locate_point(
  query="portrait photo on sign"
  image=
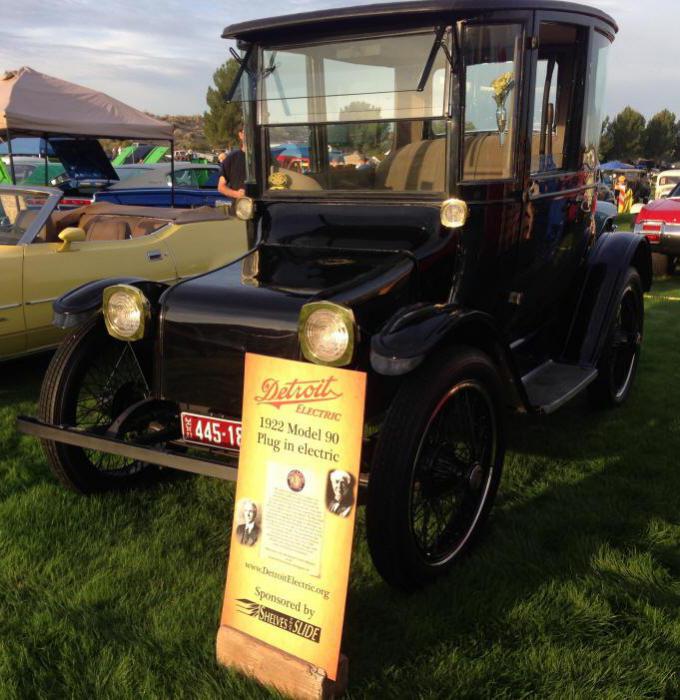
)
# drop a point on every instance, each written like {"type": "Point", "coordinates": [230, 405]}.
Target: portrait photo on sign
{"type": "Point", "coordinates": [248, 522]}
{"type": "Point", "coordinates": [340, 493]}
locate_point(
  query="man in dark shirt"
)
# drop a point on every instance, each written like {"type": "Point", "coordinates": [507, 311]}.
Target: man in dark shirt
{"type": "Point", "coordinates": [233, 171]}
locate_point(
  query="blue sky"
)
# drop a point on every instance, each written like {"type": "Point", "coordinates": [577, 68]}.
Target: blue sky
{"type": "Point", "coordinates": [160, 56]}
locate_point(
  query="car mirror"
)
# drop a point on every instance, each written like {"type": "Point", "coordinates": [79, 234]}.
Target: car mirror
{"type": "Point", "coordinates": [69, 235]}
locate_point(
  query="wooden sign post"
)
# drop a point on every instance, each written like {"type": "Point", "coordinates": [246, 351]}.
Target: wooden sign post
{"type": "Point", "coordinates": [291, 542]}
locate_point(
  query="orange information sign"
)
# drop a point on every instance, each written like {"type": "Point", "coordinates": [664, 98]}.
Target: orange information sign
{"type": "Point", "coordinates": [296, 499]}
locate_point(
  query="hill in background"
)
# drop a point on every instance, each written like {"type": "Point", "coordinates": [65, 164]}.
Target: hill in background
{"type": "Point", "coordinates": [188, 131]}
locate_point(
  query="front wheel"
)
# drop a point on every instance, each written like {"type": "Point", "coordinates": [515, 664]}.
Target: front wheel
{"type": "Point", "coordinates": [90, 382]}
{"type": "Point", "coordinates": [436, 469]}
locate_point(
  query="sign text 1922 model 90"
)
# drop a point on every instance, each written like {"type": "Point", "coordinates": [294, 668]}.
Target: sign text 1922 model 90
{"type": "Point", "coordinates": [453, 253]}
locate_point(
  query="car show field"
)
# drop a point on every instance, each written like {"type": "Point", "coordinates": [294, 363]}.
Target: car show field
{"type": "Point", "coordinates": [573, 591]}
{"type": "Point", "coordinates": [362, 384]}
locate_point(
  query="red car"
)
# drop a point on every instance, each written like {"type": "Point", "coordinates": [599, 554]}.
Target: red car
{"type": "Point", "coordinates": [659, 223]}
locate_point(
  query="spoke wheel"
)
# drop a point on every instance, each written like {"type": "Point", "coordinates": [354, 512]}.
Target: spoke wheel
{"type": "Point", "coordinates": [436, 468]}
{"type": "Point", "coordinates": [90, 382]}
{"type": "Point", "coordinates": [453, 471]}
{"type": "Point", "coordinates": [621, 356]}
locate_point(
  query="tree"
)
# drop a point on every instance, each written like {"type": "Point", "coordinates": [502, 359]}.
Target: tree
{"type": "Point", "coordinates": [626, 134]}
{"type": "Point", "coordinates": [606, 144]}
{"type": "Point", "coordinates": [660, 137]}
{"type": "Point", "coordinates": [369, 138]}
{"type": "Point", "coordinates": [222, 118]}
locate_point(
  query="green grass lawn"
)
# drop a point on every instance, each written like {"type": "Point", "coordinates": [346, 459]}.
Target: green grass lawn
{"type": "Point", "coordinates": [626, 222]}
{"type": "Point", "coordinates": [574, 592]}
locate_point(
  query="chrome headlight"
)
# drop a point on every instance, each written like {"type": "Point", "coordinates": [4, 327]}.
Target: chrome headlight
{"type": "Point", "coordinates": [327, 333]}
{"type": "Point", "coordinates": [244, 208]}
{"type": "Point", "coordinates": [454, 213]}
{"type": "Point", "coordinates": [126, 312]}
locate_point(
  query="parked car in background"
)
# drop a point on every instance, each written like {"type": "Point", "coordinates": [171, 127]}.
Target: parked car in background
{"type": "Point", "coordinates": [659, 223]}
{"type": "Point", "coordinates": [195, 186]}
{"type": "Point", "coordinates": [30, 170]}
{"type": "Point", "coordinates": [665, 183]}
{"type": "Point", "coordinates": [45, 252]}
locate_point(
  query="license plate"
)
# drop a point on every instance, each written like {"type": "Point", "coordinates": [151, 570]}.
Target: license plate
{"type": "Point", "coordinates": [208, 430]}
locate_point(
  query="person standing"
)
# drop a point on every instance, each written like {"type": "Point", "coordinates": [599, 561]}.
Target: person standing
{"type": "Point", "coordinates": [233, 171]}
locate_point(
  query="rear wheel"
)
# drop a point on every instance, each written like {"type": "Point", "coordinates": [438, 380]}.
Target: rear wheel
{"type": "Point", "coordinates": [618, 365]}
{"type": "Point", "coordinates": [90, 382]}
{"type": "Point", "coordinates": [436, 469]}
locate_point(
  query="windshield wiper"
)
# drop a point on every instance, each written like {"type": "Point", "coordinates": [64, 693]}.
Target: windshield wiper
{"type": "Point", "coordinates": [438, 44]}
{"type": "Point", "coordinates": [243, 62]}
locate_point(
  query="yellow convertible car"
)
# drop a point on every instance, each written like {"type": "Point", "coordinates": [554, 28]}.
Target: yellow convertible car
{"type": "Point", "coordinates": [45, 253]}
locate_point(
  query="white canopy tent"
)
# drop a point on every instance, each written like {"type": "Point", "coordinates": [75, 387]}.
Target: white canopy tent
{"type": "Point", "coordinates": [40, 105]}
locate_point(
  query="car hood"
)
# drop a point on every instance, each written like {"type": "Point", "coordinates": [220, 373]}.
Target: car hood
{"type": "Point", "coordinates": [252, 305]}
{"type": "Point", "coordinates": [661, 210]}
{"type": "Point", "coordinates": [83, 159]}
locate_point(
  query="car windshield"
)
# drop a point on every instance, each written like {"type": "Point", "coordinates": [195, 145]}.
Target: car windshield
{"type": "Point", "coordinates": [675, 192]}
{"type": "Point", "coordinates": [127, 172]}
{"type": "Point", "coordinates": [365, 114]}
{"type": "Point", "coordinates": [18, 209]}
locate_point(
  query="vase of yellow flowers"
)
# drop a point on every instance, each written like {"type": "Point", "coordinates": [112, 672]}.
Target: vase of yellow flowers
{"type": "Point", "coordinates": [502, 87]}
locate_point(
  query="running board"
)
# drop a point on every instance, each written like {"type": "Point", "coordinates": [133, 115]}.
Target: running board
{"type": "Point", "coordinates": [153, 455]}
{"type": "Point", "coordinates": [552, 384]}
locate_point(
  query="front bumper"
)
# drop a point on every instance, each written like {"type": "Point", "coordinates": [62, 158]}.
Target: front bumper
{"type": "Point", "coordinates": [163, 457]}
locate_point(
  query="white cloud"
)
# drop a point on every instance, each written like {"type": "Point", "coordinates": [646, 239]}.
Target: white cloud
{"type": "Point", "coordinates": [160, 56]}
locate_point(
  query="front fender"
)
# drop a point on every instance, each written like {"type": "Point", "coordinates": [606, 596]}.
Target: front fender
{"type": "Point", "coordinates": [77, 306]}
{"type": "Point", "coordinates": [614, 253]}
{"type": "Point", "coordinates": [414, 333]}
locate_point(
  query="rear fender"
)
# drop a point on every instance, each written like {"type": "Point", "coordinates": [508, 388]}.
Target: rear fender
{"type": "Point", "coordinates": [77, 306]}
{"type": "Point", "coordinates": [416, 333]}
{"type": "Point", "coordinates": [607, 266]}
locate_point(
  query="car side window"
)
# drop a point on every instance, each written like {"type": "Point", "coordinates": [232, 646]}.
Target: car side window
{"type": "Point", "coordinates": [17, 213]}
{"type": "Point", "coordinates": [184, 178]}
{"type": "Point", "coordinates": [213, 179]}
{"type": "Point", "coordinates": [491, 89]}
{"type": "Point", "coordinates": [556, 75]}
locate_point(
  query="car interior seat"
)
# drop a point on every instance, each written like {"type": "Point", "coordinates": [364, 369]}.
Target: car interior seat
{"type": "Point", "coordinates": [417, 166]}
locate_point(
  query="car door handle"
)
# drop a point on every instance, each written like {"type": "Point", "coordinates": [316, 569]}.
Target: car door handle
{"type": "Point", "coordinates": [154, 255]}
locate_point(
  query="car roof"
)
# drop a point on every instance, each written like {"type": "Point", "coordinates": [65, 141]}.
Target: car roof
{"type": "Point", "coordinates": [156, 175]}
{"type": "Point", "coordinates": [356, 18]}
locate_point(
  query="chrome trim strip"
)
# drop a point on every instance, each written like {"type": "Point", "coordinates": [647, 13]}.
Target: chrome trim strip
{"type": "Point", "coordinates": [35, 302]}
{"type": "Point", "coordinates": [7, 307]}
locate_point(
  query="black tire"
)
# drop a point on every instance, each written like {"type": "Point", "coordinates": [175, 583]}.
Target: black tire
{"type": "Point", "coordinates": [91, 379]}
{"type": "Point", "coordinates": [621, 355]}
{"type": "Point", "coordinates": [417, 464]}
{"type": "Point", "coordinates": [672, 265]}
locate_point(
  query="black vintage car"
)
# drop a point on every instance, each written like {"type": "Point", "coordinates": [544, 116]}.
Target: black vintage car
{"type": "Point", "coordinates": [453, 253]}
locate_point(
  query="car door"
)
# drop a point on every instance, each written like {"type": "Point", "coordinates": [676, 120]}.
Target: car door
{"type": "Point", "coordinates": [12, 326]}
{"type": "Point", "coordinates": [556, 230]}
{"type": "Point", "coordinates": [49, 273]}
{"type": "Point", "coordinates": [23, 211]}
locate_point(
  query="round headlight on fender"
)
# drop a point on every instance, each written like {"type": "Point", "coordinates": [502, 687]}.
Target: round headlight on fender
{"type": "Point", "coordinates": [327, 333]}
{"type": "Point", "coordinates": [244, 208]}
{"type": "Point", "coordinates": [126, 312]}
{"type": "Point", "coordinates": [454, 213]}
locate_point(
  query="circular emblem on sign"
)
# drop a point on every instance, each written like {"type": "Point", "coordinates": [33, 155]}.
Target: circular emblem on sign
{"type": "Point", "coordinates": [296, 480]}
{"type": "Point", "coordinates": [279, 181]}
